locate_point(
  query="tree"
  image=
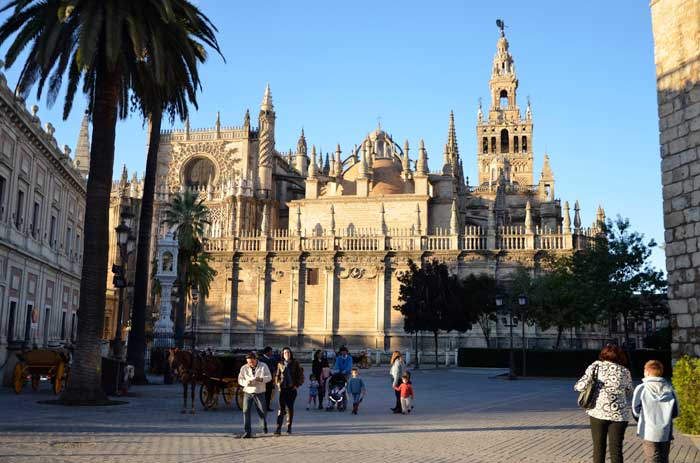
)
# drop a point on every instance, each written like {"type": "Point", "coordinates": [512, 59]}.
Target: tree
{"type": "Point", "coordinates": [188, 215]}
{"type": "Point", "coordinates": [181, 45]}
{"type": "Point", "coordinates": [101, 43]}
{"type": "Point", "coordinates": [479, 295]}
{"type": "Point", "coordinates": [620, 280]}
{"type": "Point", "coordinates": [430, 301]}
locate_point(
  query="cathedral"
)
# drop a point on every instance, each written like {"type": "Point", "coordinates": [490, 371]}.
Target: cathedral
{"type": "Point", "coordinates": [308, 245]}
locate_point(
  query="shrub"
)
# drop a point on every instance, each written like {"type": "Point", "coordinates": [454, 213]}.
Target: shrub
{"type": "Point", "coordinates": [686, 381]}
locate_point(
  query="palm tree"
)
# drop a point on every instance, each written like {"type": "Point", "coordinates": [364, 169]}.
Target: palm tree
{"type": "Point", "coordinates": [189, 216]}
{"type": "Point", "coordinates": [182, 48]}
{"type": "Point", "coordinates": [105, 44]}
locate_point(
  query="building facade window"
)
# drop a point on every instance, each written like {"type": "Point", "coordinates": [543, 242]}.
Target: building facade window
{"type": "Point", "coordinates": [63, 325]}
{"type": "Point", "coordinates": [3, 187]}
{"type": "Point", "coordinates": [52, 231]}
{"type": "Point", "coordinates": [19, 209]}
{"type": "Point", "coordinates": [11, 322]}
{"type": "Point", "coordinates": [36, 213]}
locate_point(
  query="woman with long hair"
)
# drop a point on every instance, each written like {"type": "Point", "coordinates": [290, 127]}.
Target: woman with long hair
{"type": "Point", "coordinates": [317, 366]}
{"type": "Point", "coordinates": [611, 411]}
{"type": "Point", "coordinates": [288, 378]}
{"type": "Point", "coordinates": [397, 370]}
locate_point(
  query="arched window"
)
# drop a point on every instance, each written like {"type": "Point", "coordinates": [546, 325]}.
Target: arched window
{"type": "Point", "coordinates": [504, 141]}
{"type": "Point", "coordinates": [515, 144]}
{"type": "Point", "coordinates": [493, 144]}
{"type": "Point", "coordinates": [503, 99]}
{"type": "Point", "coordinates": [524, 144]}
{"type": "Point", "coordinates": [485, 145]}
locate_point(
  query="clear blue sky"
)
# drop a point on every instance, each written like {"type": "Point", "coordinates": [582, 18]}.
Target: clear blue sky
{"type": "Point", "coordinates": [335, 67]}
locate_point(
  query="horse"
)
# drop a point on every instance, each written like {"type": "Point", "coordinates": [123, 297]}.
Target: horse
{"type": "Point", "coordinates": [188, 367]}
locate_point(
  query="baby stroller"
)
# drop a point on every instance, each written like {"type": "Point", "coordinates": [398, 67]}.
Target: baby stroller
{"type": "Point", "coordinates": [336, 392]}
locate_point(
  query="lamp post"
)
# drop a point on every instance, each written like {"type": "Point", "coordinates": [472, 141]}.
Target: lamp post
{"type": "Point", "coordinates": [195, 299]}
{"type": "Point", "coordinates": [510, 323]}
{"type": "Point", "coordinates": [126, 244]}
{"type": "Point", "coordinates": [522, 302]}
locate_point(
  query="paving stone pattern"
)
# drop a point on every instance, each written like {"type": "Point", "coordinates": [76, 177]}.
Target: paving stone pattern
{"type": "Point", "coordinates": [461, 415]}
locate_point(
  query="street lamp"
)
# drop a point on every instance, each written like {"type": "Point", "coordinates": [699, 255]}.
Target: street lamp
{"type": "Point", "coordinates": [522, 302]}
{"type": "Point", "coordinates": [195, 299]}
{"type": "Point", "coordinates": [126, 243]}
{"type": "Point", "coordinates": [510, 323]}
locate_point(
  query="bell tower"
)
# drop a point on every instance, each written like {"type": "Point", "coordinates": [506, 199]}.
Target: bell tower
{"type": "Point", "coordinates": [504, 138]}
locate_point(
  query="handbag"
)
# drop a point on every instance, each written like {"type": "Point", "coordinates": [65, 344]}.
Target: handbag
{"type": "Point", "coordinates": [585, 397]}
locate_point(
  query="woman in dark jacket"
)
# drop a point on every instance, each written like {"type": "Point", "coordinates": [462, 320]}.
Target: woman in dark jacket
{"type": "Point", "coordinates": [289, 377]}
{"type": "Point", "coordinates": [317, 366]}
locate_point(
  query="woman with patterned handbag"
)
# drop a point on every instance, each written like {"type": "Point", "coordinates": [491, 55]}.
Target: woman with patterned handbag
{"type": "Point", "coordinates": [609, 408]}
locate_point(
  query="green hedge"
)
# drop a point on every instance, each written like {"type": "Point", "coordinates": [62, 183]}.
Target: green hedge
{"type": "Point", "coordinates": [561, 363]}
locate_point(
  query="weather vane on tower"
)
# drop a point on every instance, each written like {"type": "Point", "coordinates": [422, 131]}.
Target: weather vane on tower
{"type": "Point", "coordinates": [502, 26]}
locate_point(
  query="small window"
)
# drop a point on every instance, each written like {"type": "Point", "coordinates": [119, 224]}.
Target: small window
{"type": "Point", "coordinates": [35, 218]}
{"type": "Point", "coordinates": [3, 183]}
{"type": "Point", "coordinates": [503, 99]}
{"type": "Point", "coordinates": [52, 231]}
{"type": "Point", "coordinates": [515, 144]}
{"type": "Point", "coordinates": [493, 144]}
{"type": "Point", "coordinates": [485, 145]}
{"type": "Point", "coordinates": [167, 262]}
{"type": "Point", "coordinates": [63, 325]}
{"type": "Point", "coordinates": [28, 322]}
{"type": "Point", "coordinates": [19, 209]}
{"type": "Point", "coordinates": [504, 141]}
{"type": "Point", "coordinates": [47, 323]}
{"type": "Point", "coordinates": [524, 144]}
{"type": "Point", "coordinates": [73, 328]}
{"type": "Point", "coordinates": [69, 240]}
{"type": "Point", "coordinates": [312, 276]}
{"type": "Point", "coordinates": [11, 322]}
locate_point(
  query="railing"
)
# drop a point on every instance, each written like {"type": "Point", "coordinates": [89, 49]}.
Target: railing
{"type": "Point", "coordinates": [472, 238]}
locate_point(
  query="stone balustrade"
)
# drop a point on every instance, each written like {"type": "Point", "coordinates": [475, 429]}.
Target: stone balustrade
{"type": "Point", "coordinates": [472, 238]}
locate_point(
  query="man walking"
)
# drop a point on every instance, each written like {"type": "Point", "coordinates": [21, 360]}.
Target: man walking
{"type": "Point", "coordinates": [272, 365]}
{"type": "Point", "coordinates": [252, 378]}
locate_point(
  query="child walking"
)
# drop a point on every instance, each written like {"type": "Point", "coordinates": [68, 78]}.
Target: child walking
{"type": "Point", "coordinates": [654, 404]}
{"type": "Point", "coordinates": [406, 392]}
{"type": "Point", "coordinates": [313, 391]}
{"type": "Point", "coordinates": [356, 387]}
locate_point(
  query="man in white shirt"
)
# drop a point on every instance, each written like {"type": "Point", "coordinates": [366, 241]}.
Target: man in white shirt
{"type": "Point", "coordinates": [252, 378]}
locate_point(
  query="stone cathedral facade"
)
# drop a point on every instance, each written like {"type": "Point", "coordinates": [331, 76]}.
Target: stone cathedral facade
{"type": "Point", "coordinates": [308, 245]}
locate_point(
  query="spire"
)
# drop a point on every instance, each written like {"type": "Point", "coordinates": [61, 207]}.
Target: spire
{"type": "Point", "coordinates": [567, 219]}
{"type": "Point", "coordinates": [383, 222]}
{"type": "Point", "coordinates": [528, 111]}
{"type": "Point", "coordinates": [264, 225]}
{"type": "Point", "coordinates": [298, 220]}
{"type": "Point", "coordinates": [125, 177]}
{"type": "Point", "coordinates": [405, 162]}
{"type": "Point", "coordinates": [528, 217]}
{"type": "Point", "coordinates": [547, 173]}
{"type": "Point", "coordinates": [312, 164]}
{"type": "Point", "coordinates": [301, 144]}
{"type": "Point", "coordinates": [267, 100]}
{"type": "Point", "coordinates": [446, 162]}
{"type": "Point", "coordinates": [82, 150]}
{"type": "Point", "coordinates": [326, 166]}
{"type": "Point", "coordinates": [418, 225]}
{"type": "Point", "coordinates": [577, 217]}
{"type": "Point", "coordinates": [246, 120]}
{"type": "Point", "coordinates": [338, 162]}
{"type": "Point", "coordinates": [452, 136]}
{"type": "Point", "coordinates": [362, 169]}
{"type": "Point", "coordinates": [422, 164]}
{"type": "Point", "coordinates": [217, 124]}
{"type": "Point", "coordinates": [600, 218]}
{"type": "Point", "coordinates": [454, 227]}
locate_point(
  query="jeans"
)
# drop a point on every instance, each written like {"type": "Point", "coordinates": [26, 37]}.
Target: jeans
{"type": "Point", "coordinates": [406, 404]}
{"type": "Point", "coordinates": [248, 401]}
{"type": "Point", "coordinates": [656, 452]}
{"type": "Point", "coordinates": [287, 398]}
{"type": "Point", "coordinates": [268, 395]}
{"type": "Point", "coordinates": [614, 431]}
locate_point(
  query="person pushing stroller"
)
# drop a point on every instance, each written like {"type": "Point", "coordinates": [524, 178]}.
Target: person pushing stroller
{"type": "Point", "coordinates": [342, 369]}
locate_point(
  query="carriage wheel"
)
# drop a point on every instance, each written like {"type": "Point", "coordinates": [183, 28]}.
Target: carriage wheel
{"type": "Point", "coordinates": [207, 395]}
{"type": "Point", "coordinates": [35, 382]}
{"type": "Point", "coordinates": [18, 378]}
{"type": "Point", "coordinates": [239, 398]}
{"type": "Point", "coordinates": [58, 378]}
{"type": "Point", "coordinates": [229, 393]}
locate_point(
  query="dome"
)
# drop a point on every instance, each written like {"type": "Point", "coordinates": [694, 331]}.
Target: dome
{"type": "Point", "coordinates": [386, 178]}
{"type": "Point", "coordinates": [383, 144]}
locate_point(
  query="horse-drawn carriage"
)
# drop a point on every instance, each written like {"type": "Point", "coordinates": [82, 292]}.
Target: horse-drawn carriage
{"type": "Point", "coordinates": [38, 363]}
{"type": "Point", "coordinates": [221, 378]}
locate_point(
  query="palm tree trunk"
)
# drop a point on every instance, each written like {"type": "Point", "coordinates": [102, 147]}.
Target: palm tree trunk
{"type": "Point", "coordinates": [84, 386]}
{"type": "Point", "coordinates": [137, 335]}
{"type": "Point", "coordinates": [182, 261]}
{"type": "Point", "coordinates": [560, 330]}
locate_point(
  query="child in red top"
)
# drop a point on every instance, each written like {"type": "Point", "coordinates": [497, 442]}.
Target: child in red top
{"type": "Point", "coordinates": [406, 391]}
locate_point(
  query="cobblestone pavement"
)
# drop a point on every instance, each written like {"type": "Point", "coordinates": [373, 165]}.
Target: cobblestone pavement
{"type": "Point", "coordinates": [461, 415]}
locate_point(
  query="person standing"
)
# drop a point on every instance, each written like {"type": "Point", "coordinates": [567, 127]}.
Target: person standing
{"type": "Point", "coordinates": [655, 405]}
{"type": "Point", "coordinates": [356, 387]}
{"type": "Point", "coordinates": [611, 412]}
{"type": "Point", "coordinates": [272, 365]}
{"type": "Point", "coordinates": [343, 362]}
{"type": "Point", "coordinates": [406, 393]}
{"type": "Point", "coordinates": [317, 366]}
{"type": "Point", "coordinates": [252, 378]}
{"type": "Point", "coordinates": [289, 376]}
{"type": "Point", "coordinates": [398, 368]}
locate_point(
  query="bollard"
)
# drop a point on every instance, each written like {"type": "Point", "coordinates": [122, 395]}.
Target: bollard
{"type": "Point", "coordinates": [378, 357]}
{"type": "Point", "coordinates": [447, 358]}
{"type": "Point", "coordinates": [407, 357]}
{"type": "Point", "coordinates": [456, 357]}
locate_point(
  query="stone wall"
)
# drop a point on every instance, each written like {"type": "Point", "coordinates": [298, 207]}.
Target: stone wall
{"type": "Point", "coordinates": [676, 27]}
